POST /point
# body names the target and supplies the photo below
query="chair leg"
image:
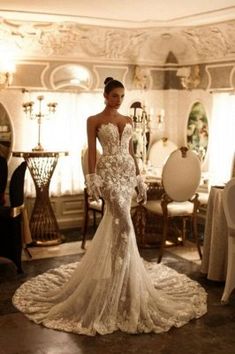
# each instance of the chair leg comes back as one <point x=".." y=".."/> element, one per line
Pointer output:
<point x="84" y="229"/>
<point x="164" y="237"/>
<point x="184" y="231"/>
<point x="17" y="244"/>
<point x="94" y="219"/>
<point x="139" y="224"/>
<point x="19" y="269"/>
<point x="26" y="250"/>
<point x="195" y="235"/>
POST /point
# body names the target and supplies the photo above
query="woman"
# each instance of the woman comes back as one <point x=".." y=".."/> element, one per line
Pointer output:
<point x="111" y="288"/>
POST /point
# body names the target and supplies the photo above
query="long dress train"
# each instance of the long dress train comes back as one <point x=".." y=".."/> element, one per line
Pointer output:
<point x="112" y="288"/>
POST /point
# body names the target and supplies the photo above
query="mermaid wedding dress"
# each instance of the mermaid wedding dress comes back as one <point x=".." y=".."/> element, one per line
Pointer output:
<point x="112" y="287"/>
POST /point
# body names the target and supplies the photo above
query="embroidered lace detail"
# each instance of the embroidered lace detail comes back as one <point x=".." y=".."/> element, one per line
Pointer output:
<point x="111" y="141"/>
<point x="112" y="287"/>
<point x="160" y="300"/>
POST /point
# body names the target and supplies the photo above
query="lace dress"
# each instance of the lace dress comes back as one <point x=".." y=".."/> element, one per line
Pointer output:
<point x="112" y="287"/>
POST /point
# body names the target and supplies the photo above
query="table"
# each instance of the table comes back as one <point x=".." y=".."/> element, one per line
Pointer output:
<point x="43" y="224"/>
<point x="215" y="247"/>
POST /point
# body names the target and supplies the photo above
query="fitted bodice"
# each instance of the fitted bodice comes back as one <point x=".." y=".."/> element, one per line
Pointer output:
<point x="112" y="141"/>
<point x="116" y="166"/>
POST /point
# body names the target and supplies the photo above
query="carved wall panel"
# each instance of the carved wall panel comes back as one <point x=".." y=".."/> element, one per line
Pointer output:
<point x="30" y="74"/>
<point x="103" y="71"/>
<point x="220" y="76"/>
<point x="142" y="46"/>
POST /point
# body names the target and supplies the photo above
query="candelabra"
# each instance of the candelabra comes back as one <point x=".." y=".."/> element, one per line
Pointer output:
<point x="141" y="120"/>
<point x="31" y="114"/>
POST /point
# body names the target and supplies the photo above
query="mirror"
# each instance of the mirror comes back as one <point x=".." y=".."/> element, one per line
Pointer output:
<point x="197" y="130"/>
<point x="5" y="133"/>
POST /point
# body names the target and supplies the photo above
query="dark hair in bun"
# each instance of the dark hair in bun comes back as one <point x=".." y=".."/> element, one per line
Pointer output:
<point x="111" y="84"/>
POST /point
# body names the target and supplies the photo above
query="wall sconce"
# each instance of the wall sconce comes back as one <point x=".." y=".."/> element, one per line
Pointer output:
<point x="7" y="69"/>
<point x="31" y="114"/>
<point x="189" y="76"/>
<point x="161" y="121"/>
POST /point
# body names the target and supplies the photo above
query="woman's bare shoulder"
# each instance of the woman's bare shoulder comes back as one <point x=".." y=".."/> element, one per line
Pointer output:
<point x="127" y="119"/>
<point x="93" y="120"/>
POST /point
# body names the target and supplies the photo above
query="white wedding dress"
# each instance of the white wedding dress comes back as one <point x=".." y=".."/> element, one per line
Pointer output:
<point x="112" y="287"/>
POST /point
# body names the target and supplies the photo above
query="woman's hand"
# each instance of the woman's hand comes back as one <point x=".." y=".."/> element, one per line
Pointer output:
<point x="93" y="183"/>
<point x="142" y="190"/>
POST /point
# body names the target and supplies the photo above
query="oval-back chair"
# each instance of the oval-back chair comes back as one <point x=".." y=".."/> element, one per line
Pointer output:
<point x="180" y="179"/>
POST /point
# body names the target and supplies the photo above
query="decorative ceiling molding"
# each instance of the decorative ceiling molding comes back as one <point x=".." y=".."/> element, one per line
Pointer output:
<point x="151" y="13"/>
<point x="139" y="46"/>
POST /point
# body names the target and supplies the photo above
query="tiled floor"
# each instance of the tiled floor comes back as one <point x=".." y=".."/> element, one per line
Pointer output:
<point x="213" y="333"/>
<point x="63" y="249"/>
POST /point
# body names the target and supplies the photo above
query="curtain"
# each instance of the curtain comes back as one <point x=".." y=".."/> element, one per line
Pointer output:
<point x="66" y="131"/>
<point x="222" y="139"/>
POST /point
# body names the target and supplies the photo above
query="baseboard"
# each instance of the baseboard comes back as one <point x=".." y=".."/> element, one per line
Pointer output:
<point x="68" y="210"/>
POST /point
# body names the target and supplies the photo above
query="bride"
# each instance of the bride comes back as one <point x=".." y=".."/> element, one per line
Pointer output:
<point x="112" y="288"/>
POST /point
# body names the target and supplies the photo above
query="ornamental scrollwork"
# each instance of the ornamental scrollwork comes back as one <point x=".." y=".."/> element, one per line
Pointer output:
<point x="148" y="46"/>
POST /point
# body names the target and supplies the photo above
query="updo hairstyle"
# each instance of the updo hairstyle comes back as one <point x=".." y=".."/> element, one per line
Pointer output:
<point x="111" y="84"/>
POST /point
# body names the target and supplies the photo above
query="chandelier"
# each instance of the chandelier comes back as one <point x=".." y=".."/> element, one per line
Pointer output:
<point x="38" y="115"/>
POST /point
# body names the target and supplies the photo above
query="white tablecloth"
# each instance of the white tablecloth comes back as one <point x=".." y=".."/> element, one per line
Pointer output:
<point x="215" y="246"/>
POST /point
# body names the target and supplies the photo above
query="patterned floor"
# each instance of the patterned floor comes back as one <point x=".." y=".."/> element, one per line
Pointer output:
<point x="213" y="333"/>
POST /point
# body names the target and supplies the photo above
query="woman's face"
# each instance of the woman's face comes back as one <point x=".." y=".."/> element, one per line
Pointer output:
<point x="115" y="97"/>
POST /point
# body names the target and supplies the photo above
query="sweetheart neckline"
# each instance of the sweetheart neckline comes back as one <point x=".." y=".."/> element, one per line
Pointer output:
<point x="115" y="125"/>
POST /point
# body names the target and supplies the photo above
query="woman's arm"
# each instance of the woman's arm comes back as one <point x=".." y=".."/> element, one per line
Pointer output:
<point x="91" y="139"/>
<point x="131" y="150"/>
<point x="93" y="181"/>
<point x="141" y="187"/>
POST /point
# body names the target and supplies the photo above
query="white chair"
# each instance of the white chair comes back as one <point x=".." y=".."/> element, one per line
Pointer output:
<point x="180" y="178"/>
<point x="89" y="205"/>
<point x="159" y="152"/>
<point x="229" y="210"/>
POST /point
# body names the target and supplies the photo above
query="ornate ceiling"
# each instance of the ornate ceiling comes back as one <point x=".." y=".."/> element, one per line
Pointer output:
<point x="115" y="32"/>
<point x="147" y="46"/>
<point x="127" y="13"/>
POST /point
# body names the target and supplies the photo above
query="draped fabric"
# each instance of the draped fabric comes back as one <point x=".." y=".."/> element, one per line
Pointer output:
<point x="65" y="131"/>
<point x="221" y="138"/>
